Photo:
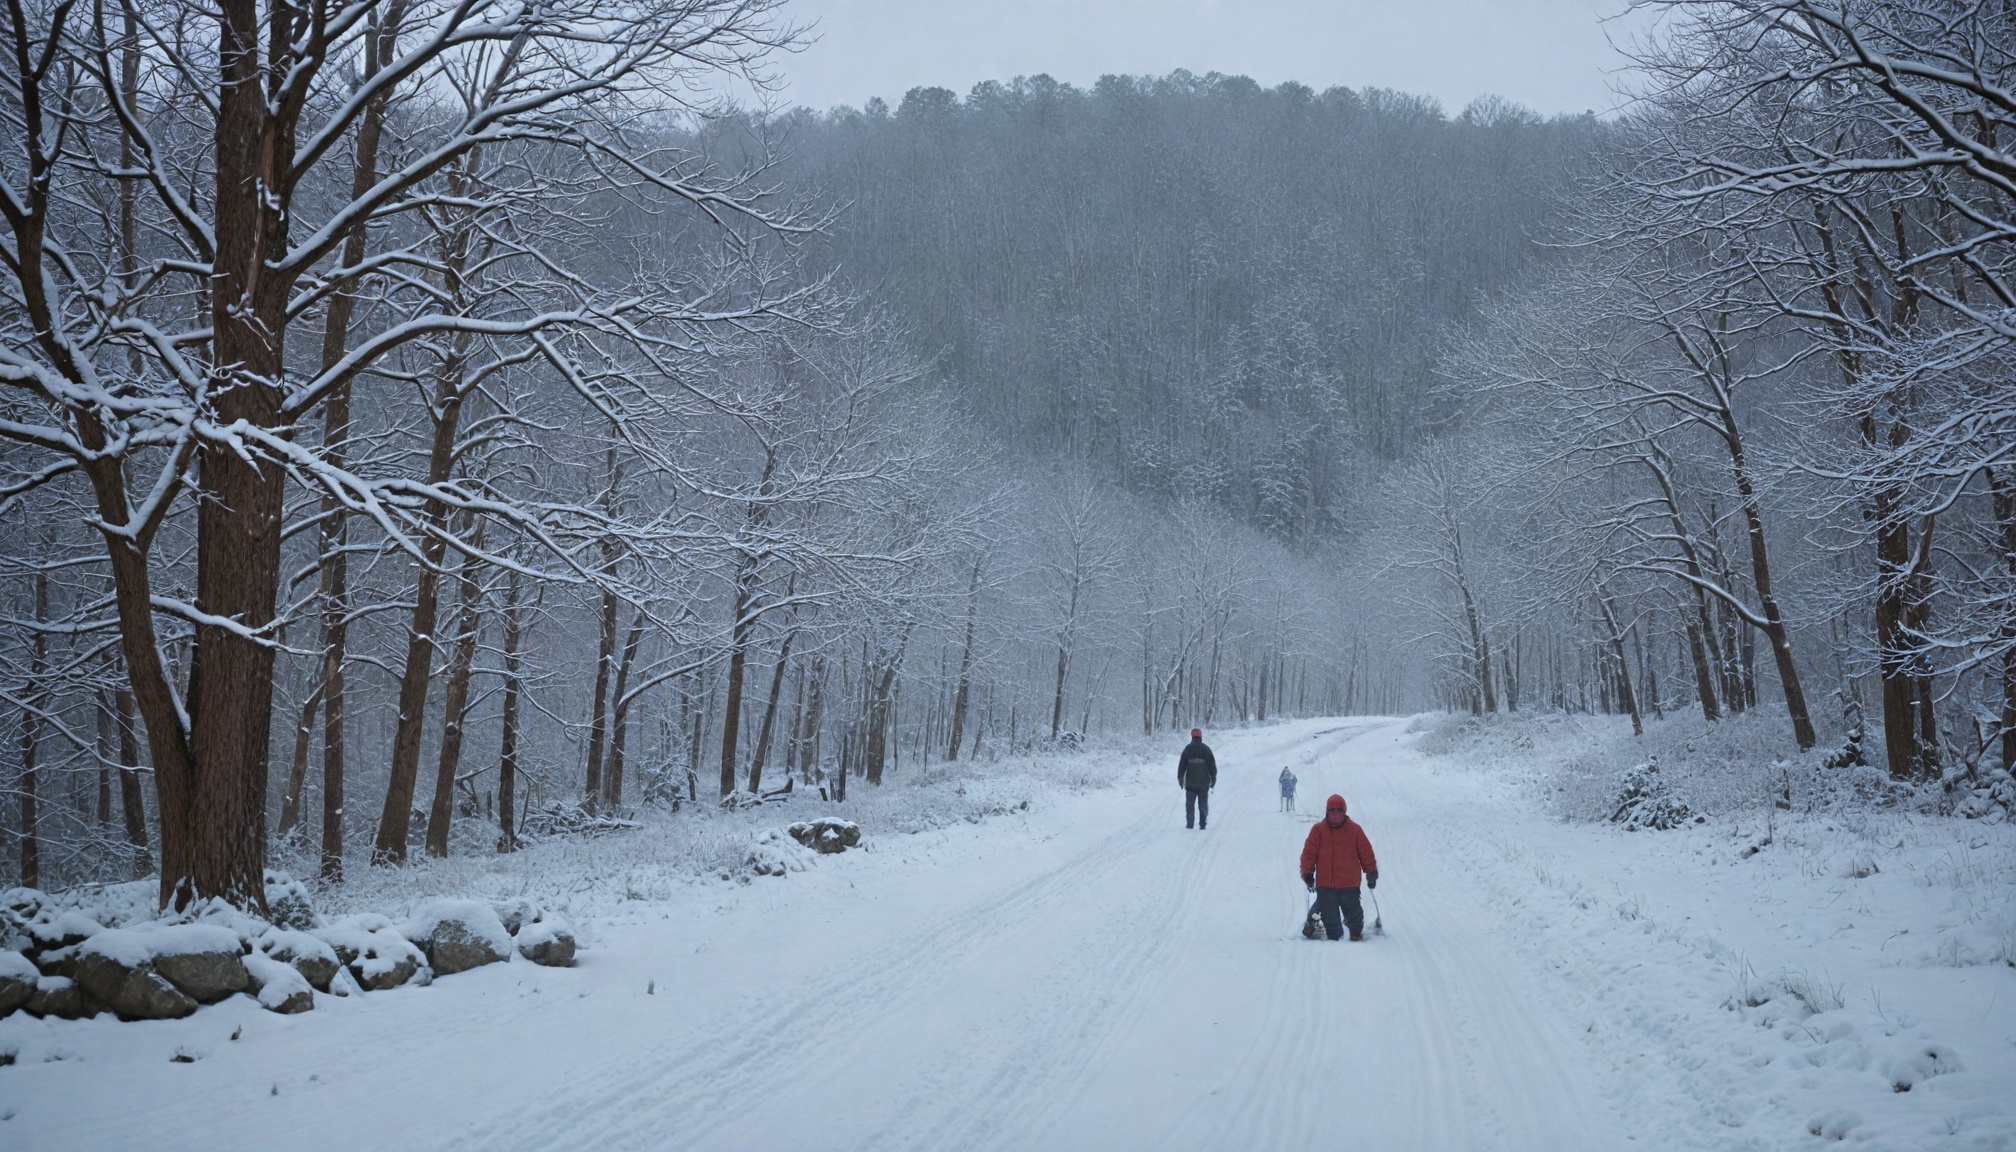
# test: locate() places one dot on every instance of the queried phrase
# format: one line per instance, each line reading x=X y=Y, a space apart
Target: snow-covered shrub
x=287 y=902
x=1646 y=802
x=558 y=819
x=827 y=835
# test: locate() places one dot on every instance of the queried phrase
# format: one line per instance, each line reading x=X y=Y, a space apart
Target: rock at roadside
x=827 y=836
x=278 y=986
x=308 y=954
x=207 y=972
x=154 y=971
x=549 y=942
x=134 y=991
x=378 y=957
x=60 y=997
x=17 y=981
x=458 y=935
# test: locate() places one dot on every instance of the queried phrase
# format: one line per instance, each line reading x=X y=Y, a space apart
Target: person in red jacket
x=1333 y=858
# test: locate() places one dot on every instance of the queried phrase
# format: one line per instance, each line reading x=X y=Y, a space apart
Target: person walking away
x=1333 y=858
x=1197 y=772
x=1287 y=790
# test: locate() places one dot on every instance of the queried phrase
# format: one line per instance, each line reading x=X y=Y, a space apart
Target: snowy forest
x=430 y=422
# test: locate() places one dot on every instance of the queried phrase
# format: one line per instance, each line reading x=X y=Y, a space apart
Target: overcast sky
x=1552 y=55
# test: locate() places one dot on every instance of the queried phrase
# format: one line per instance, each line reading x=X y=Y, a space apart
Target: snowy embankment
x=1082 y=972
x=1805 y=952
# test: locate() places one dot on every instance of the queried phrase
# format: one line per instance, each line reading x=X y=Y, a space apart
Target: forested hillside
x=1212 y=290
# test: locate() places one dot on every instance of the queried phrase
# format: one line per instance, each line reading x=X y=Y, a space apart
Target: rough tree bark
x=454 y=705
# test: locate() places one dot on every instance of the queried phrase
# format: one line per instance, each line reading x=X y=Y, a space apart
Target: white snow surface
x=1088 y=974
x=274 y=980
x=16 y=966
x=140 y=943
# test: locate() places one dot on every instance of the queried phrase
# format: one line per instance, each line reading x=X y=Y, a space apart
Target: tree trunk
x=105 y=756
x=962 y=696
x=1760 y=576
x=770 y=713
x=507 y=745
x=454 y=703
x=738 y=654
x=297 y=769
x=33 y=699
x=396 y=818
x=132 y=801
x=2002 y=484
x=612 y=775
x=378 y=45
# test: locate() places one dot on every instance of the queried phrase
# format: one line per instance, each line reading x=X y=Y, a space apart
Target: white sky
x=1552 y=55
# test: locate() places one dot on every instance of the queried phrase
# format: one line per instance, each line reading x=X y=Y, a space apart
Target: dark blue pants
x=1331 y=901
x=1196 y=807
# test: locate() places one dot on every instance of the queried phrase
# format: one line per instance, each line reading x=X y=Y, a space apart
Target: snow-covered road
x=1089 y=975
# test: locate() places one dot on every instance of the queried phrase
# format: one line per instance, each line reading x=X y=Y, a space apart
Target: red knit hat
x=1336 y=802
x=1196 y=733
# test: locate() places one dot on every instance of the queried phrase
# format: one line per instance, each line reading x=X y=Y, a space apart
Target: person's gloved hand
x=1372 y=879
x=1309 y=881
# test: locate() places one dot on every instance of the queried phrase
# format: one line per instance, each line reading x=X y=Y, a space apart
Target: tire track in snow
x=677 y=1094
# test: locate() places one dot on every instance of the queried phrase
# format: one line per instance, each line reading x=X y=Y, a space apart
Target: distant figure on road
x=1197 y=772
x=1332 y=859
x=1287 y=790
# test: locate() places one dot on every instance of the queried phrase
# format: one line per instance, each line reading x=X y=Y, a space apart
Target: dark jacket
x=1197 y=768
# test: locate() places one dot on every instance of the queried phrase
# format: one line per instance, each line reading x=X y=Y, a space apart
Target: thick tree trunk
x=454 y=704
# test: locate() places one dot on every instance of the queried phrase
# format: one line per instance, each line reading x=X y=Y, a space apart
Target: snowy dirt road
x=1089 y=975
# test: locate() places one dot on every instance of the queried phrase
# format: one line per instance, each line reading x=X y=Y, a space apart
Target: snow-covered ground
x=1084 y=973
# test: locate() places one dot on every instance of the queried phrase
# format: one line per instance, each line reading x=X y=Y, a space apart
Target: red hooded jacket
x=1338 y=856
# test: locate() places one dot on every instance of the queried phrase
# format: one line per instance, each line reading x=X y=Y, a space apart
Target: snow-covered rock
x=202 y=961
x=52 y=936
x=153 y=970
x=826 y=835
x=377 y=956
x=278 y=986
x=458 y=935
x=549 y=941
x=60 y=996
x=309 y=954
x=17 y=981
x=135 y=991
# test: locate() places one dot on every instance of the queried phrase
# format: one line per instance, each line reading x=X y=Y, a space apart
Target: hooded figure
x=1336 y=858
x=1197 y=772
x=1287 y=790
